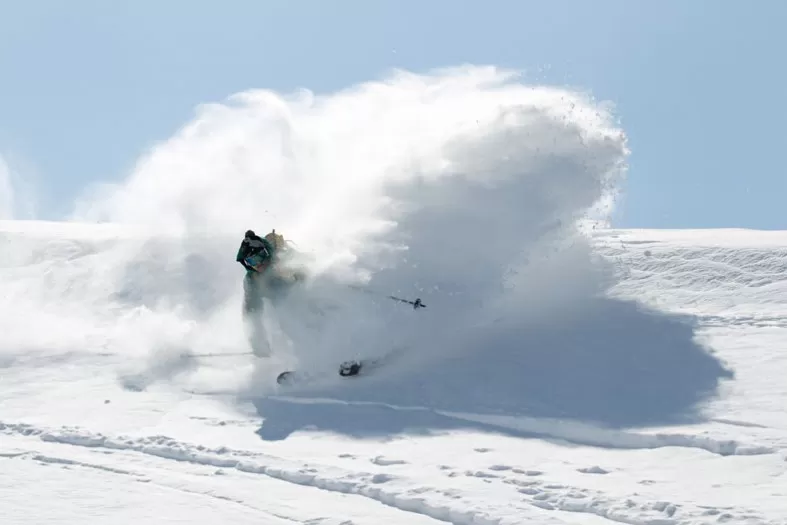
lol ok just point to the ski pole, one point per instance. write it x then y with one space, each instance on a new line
417 303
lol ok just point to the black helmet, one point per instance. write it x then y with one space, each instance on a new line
250 233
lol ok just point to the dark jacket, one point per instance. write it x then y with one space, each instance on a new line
251 246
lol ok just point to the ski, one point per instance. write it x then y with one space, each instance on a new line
346 369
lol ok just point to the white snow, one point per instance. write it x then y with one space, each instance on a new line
562 372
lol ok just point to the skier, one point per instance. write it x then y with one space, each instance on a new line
256 255
266 277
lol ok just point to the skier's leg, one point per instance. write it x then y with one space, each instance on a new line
252 298
252 314
258 336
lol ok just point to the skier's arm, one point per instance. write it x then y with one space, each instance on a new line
241 256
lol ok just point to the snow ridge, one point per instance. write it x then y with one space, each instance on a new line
732 277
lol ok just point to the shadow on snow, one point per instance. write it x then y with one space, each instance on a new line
618 365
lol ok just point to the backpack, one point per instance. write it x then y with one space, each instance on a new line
276 240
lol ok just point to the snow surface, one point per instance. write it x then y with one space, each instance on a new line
562 372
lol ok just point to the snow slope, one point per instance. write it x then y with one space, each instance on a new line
562 372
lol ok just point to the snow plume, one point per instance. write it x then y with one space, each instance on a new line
463 187
17 190
6 192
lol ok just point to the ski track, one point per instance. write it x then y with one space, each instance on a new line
202 485
389 487
369 485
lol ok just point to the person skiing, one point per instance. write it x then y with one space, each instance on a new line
255 254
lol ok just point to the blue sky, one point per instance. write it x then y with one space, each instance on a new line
699 85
